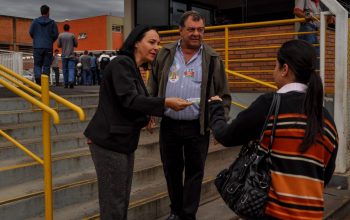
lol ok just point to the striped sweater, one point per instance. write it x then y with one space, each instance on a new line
298 179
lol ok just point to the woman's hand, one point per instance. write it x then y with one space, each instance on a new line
215 98
151 125
176 104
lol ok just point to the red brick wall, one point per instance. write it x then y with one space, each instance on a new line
6 27
329 63
22 31
117 38
261 70
95 29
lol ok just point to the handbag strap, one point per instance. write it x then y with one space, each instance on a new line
275 105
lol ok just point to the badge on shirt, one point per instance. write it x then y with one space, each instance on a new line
173 75
189 73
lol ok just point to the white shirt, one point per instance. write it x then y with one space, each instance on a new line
297 87
102 55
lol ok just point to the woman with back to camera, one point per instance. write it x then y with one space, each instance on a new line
306 142
123 109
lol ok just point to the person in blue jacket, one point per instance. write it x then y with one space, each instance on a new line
44 33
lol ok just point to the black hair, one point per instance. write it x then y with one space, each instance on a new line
44 9
301 58
136 35
66 27
196 16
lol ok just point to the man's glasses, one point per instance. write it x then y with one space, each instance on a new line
192 29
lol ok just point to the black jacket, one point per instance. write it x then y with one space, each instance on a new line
44 32
123 107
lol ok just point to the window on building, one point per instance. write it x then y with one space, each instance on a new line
82 36
4 47
24 48
117 28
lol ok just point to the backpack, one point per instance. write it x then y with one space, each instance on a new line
104 62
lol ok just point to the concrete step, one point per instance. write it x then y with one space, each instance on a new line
215 209
71 159
71 141
63 163
153 203
34 129
337 204
15 103
83 191
59 143
25 116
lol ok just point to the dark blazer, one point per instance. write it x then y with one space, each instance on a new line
123 107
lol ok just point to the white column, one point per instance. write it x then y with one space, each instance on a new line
340 84
129 17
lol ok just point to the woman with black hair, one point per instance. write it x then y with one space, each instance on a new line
123 109
306 142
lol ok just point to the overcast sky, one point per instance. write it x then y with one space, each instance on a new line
62 9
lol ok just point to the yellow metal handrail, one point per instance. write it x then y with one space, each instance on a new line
23 148
44 104
46 139
250 24
52 95
251 79
32 100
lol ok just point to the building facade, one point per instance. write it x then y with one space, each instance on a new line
94 33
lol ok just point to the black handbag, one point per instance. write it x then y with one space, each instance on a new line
245 185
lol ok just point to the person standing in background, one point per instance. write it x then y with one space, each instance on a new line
44 33
310 10
103 60
67 42
85 61
93 69
55 67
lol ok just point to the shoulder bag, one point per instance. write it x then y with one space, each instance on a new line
245 185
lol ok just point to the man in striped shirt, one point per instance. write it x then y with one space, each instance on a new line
191 70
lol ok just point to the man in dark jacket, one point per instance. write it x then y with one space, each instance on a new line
44 33
192 70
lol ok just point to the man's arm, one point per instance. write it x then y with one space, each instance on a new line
59 42
152 83
54 32
300 12
221 85
75 42
31 30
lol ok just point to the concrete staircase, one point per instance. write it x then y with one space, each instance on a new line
74 179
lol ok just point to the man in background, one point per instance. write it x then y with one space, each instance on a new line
55 67
85 61
44 33
310 10
93 68
67 42
103 60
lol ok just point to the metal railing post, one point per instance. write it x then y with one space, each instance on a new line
46 125
226 47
